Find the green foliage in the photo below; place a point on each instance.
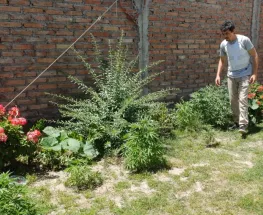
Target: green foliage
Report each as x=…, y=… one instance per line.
x=60, y=149
x=60, y=140
x=103, y=116
x=16, y=145
x=13, y=198
x=143, y=149
x=83, y=178
x=187, y=117
x=212, y=104
x=255, y=101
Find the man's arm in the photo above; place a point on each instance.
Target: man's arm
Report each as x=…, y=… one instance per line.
x=254, y=56
x=220, y=67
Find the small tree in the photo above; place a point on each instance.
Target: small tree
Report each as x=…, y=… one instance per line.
x=104, y=115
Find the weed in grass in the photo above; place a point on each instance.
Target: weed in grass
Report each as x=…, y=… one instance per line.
x=83, y=178
x=31, y=178
x=66, y=199
x=42, y=197
x=122, y=185
x=252, y=203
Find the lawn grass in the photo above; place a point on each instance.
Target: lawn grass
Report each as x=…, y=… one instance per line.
x=223, y=178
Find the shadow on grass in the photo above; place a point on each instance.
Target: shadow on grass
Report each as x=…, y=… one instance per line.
x=253, y=129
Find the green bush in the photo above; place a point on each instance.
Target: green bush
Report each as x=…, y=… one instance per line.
x=212, y=103
x=143, y=149
x=83, y=178
x=104, y=115
x=187, y=117
x=255, y=102
x=13, y=198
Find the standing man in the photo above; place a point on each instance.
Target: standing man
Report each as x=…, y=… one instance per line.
x=238, y=51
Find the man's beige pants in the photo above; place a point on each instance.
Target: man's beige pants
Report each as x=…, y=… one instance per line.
x=238, y=91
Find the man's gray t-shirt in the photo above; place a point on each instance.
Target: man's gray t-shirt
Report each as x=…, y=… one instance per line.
x=238, y=58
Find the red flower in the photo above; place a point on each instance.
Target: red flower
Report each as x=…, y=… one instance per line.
x=251, y=95
x=2, y=130
x=260, y=88
x=2, y=110
x=22, y=121
x=33, y=136
x=3, y=137
x=258, y=102
x=15, y=121
x=14, y=112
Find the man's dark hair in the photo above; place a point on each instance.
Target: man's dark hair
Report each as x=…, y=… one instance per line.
x=227, y=25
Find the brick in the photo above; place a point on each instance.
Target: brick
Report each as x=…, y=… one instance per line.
x=45, y=60
x=10, y=9
x=73, y=13
x=47, y=86
x=6, y=61
x=23, y=46
x=21, y=32
x=33, y=10
x=15, y=82
x=40, y=3
x=4, y=16
x=54, y=12
x=10, y=24
x=33, y=25
x=6, y=89
x=19, y=2
x=45, y=46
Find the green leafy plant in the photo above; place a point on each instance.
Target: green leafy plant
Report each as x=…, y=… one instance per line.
x=60, y=149
x=117, y=100
x=255, y=101
x=212, y=104
x=13, y=141
x=60, y=140
x=186, y=117
x=83, y=178
x=13, y=198
x=143, y=149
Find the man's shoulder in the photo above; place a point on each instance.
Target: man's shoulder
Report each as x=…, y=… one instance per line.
x=241, y=37
x=223, y=43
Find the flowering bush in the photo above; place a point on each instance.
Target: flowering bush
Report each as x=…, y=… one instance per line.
x=13, y=141
x=255, y=101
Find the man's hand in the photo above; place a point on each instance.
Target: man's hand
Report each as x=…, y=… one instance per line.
x=217, y=81
x=252, y=79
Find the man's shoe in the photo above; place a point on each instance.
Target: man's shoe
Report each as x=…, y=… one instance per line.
x=233, y=127
x=242, y=129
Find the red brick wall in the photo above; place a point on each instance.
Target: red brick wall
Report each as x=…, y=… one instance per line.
x=34, y=32
x=184, y=33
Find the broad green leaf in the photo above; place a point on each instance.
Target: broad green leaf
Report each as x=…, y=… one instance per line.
x=50, y=131
x=71, y=144
x=48, y=142
x=89, y=150
x=63, y=135
x=254, y=105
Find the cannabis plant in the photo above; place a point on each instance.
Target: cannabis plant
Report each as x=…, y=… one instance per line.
x=13, y=198
x=212, y=103
x=143, y=149
x=104, y=114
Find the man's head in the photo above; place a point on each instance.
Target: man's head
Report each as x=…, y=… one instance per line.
x=228, y=30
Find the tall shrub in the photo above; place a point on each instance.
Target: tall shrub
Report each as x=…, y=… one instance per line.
x=116, y=100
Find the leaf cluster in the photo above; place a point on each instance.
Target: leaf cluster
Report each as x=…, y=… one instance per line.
x=143, y=148
x=104, y=114
x=13, y=198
